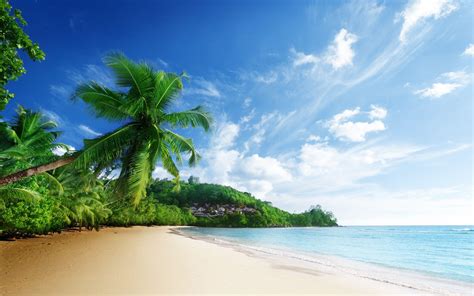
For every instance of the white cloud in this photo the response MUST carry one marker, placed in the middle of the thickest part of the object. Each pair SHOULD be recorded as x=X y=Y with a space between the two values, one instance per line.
x=267 y=168
x=268 y=78
x=221 y=157
x=161 y=173
x=163 y=63
x=318 y=173
x=268 y=124
x=469 y=50
x=203 y=87
x=225 y=136
x=340 y=53
x=247 y=102
x=99 y=74
x=60 y=151
x=53 y=116
x=247 y=118
x=60 y=91
x=448 y=82
x=258 y=187
x=438 y=90
x=418 y=11
x=343 y=129
x=377 y=112
x=88 y=131
x=313 y=138
x=301 y=58
x=331 y=167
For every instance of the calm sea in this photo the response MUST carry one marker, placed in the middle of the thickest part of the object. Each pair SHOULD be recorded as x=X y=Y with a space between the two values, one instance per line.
x=435 y=251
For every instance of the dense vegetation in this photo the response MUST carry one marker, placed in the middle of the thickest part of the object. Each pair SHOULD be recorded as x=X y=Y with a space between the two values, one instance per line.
x=265 y=214
x=53 y=207
x=43 y=190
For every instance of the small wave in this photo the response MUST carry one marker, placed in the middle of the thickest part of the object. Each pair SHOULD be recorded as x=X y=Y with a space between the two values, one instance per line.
x=462 y=229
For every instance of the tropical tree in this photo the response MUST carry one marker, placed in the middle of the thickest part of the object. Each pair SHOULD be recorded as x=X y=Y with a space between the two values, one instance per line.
x=28 y=140
x=13 y=40
x=142 y=101
x=81 y=198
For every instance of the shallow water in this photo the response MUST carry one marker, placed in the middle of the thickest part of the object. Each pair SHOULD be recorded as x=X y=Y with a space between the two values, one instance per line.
x=445 y=252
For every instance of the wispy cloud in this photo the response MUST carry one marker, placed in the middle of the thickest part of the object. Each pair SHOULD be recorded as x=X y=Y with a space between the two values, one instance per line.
x=53 y=116
x=447 y=83
x=88 y=131
x=204 y=88
x=247 y=102
x=163 y=63
x=300 y=58
x=74 y=77
x=91 y=72
x=418 y=11
x=268 y=78
x=60 y=91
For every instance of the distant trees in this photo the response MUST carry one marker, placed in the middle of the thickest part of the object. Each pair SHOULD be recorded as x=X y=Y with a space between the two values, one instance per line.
x=193 y=180
x=12 y=40
x=266 y=215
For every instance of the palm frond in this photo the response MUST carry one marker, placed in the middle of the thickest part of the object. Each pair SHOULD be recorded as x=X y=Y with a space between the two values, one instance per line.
x=167 y=88
x=18 y=193
x=106 y=148
x=54 y=183
x=180 y=144
x=138 y=77
x=102 y=101
x=196 y=117
x=140 y=174
x=167 y=160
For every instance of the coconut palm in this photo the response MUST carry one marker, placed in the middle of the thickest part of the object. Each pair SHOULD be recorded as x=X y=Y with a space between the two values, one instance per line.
x=142 y=101
x=81 y=197
x=28 y=140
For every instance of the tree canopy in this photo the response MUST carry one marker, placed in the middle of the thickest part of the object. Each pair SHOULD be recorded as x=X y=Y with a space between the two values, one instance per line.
x=13 y=40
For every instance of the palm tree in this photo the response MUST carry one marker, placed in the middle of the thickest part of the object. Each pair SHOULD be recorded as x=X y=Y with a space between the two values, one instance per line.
x=85 y=207
x=142 y=101
x=28 y=140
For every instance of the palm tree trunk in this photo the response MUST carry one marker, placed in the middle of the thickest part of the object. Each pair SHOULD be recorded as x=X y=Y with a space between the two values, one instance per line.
x=36 y=170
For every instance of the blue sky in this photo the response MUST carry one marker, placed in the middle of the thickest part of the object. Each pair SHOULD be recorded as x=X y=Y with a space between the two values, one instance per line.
x=364 y=107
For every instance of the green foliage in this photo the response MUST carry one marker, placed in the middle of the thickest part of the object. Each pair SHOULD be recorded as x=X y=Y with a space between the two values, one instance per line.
x=149 y=212
x=82 y=198
x=12 y=40
x=27 y=216
x=265 y=215
x=143 y=103
x=26 y=141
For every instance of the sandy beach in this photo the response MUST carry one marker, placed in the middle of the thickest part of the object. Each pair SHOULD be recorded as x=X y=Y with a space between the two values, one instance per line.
x=155 y=260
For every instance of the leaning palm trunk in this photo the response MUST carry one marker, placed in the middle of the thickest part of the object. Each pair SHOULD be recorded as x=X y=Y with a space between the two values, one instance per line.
x=36 y=170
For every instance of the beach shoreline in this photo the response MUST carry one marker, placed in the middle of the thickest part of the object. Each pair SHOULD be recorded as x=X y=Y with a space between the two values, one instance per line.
x=155 y=260
x=310 y=262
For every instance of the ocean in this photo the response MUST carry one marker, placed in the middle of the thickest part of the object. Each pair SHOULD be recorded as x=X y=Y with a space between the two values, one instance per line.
x=429 y=258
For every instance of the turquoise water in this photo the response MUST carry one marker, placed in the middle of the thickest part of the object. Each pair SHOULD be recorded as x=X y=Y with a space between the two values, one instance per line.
x=440 y=251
